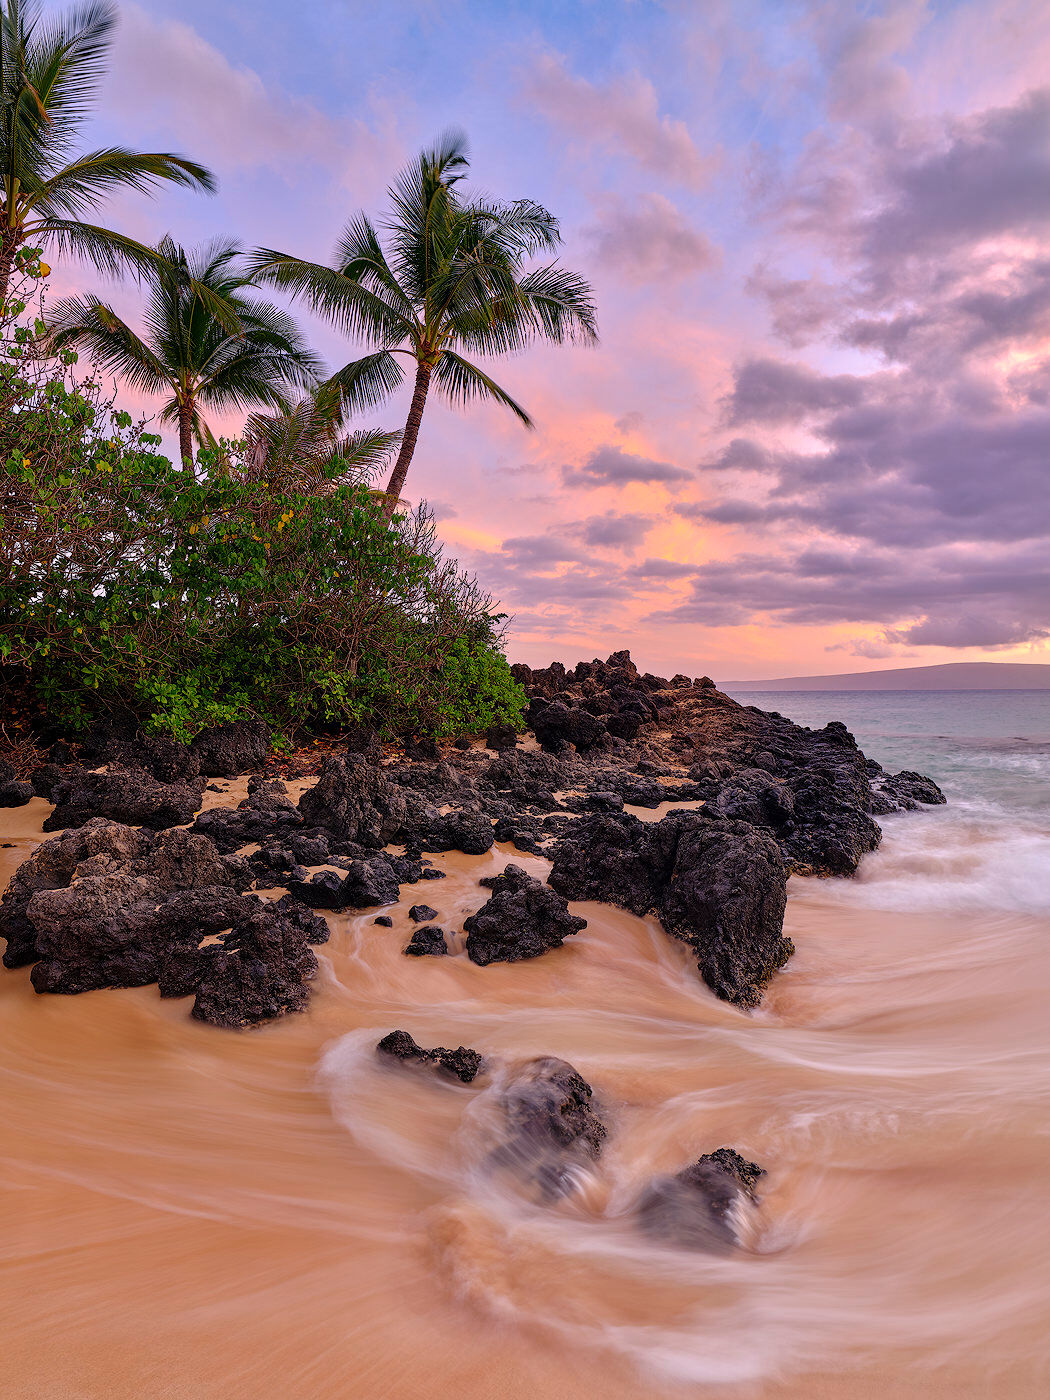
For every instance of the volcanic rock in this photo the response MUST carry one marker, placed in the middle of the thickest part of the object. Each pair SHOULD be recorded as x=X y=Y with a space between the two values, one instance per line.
x=132 y=798
x=522 y=919
x=428 y=941
x=718 y=885
x=553 y=1127
x=693 y=1208
x=463 y=1063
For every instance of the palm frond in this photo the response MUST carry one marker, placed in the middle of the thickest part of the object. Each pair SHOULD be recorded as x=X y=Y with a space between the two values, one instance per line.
x=356 y=311
x=463 y=383
x=88 y=323
x=367 y=382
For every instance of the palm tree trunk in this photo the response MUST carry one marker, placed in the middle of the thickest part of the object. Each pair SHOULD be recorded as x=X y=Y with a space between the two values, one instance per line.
x=396 y=483
x=186 y=432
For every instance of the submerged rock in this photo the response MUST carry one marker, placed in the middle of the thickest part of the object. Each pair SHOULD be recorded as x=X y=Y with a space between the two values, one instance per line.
x=693 y=1208
x=462 y=1063
x=553 y=1127
x=522 y=919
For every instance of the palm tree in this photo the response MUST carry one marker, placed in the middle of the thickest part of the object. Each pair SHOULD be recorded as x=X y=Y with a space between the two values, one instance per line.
x=307 y=445
x=48 y=76
x=249 y=356
x=452 y=278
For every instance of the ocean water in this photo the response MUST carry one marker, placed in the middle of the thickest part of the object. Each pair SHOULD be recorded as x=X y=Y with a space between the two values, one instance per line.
x=989 y=848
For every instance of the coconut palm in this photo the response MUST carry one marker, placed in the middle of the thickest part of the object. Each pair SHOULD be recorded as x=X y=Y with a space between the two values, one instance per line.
x=49 y=71
x=252 y=355
x=307 y=444
x=452 y=278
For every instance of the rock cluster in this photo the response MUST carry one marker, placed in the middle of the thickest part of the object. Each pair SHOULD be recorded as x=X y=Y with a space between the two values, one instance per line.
x=107 y=905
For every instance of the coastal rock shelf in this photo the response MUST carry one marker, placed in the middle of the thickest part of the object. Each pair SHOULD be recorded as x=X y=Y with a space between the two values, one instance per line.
x=126 y=895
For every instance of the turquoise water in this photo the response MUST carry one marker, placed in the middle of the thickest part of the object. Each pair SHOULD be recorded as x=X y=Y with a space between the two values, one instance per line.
x=990 y=752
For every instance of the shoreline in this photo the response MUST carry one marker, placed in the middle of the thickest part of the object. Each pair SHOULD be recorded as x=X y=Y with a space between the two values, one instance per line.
x=217 y=1208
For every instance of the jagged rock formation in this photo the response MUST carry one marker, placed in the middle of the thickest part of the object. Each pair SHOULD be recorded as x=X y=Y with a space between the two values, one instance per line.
x=720 y=886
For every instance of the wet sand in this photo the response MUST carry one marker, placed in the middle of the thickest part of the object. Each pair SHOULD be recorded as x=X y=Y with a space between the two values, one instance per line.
x=190 y=1212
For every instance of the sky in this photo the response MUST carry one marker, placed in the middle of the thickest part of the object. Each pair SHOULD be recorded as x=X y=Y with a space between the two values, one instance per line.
x=815 y=435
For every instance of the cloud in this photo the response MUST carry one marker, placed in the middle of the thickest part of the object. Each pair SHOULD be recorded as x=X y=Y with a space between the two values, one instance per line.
x=991 y=178
x=614 y=529
x=661 y=569
x=621 y=116
x=228 y=117
x=610 y=465
x=649 y=239
x=773 y=391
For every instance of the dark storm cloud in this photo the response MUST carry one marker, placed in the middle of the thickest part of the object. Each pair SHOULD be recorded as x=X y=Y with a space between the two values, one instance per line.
x=612 y=466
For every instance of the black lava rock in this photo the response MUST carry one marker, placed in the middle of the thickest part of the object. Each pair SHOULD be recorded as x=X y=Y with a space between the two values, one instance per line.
x=692 y=1209
x=428 y=941
x=463 y=1063
x=718 y=885
x=132 y=798
x=522 y=919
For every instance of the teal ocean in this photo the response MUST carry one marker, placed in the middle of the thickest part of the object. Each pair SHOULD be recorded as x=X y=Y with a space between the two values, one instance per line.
x=990 y=752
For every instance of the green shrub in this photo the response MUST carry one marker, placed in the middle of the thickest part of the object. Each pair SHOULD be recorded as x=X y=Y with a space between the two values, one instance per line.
x=193 y=598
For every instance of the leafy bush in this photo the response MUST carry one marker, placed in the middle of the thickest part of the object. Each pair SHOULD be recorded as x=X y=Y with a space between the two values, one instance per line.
x=194 y=598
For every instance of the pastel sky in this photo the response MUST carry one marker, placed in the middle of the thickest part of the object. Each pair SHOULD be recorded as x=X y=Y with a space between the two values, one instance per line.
x=816 y=434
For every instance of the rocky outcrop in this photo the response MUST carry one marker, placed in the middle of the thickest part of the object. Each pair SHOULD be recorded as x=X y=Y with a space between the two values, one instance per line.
x=242 y=746
x=15 y=794
x=259 y=971
x=266 y=812
x=720 y=886
x=811 y=789
x=693 y=1209
x=431 y=830
x=355 y=801
x=51 y=867
x=522 y=919
x=902 y=792
x=463 y=1063
x=131 y=798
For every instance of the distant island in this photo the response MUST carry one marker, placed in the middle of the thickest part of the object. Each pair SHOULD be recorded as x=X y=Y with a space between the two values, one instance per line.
x=953 y=675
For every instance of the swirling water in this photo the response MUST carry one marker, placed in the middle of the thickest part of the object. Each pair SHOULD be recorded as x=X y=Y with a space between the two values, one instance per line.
x=194 y=1213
